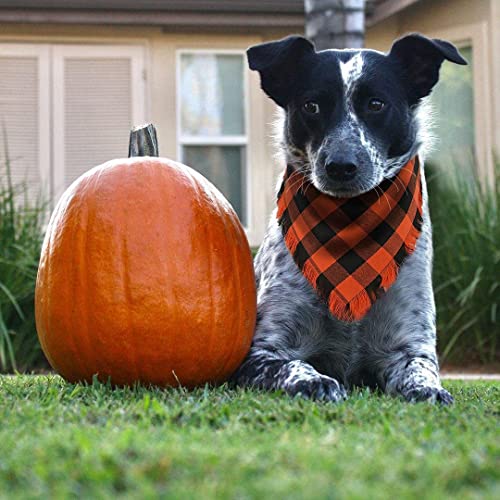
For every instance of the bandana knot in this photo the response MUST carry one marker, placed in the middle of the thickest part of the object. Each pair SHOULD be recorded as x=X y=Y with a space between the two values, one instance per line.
x=350 y=249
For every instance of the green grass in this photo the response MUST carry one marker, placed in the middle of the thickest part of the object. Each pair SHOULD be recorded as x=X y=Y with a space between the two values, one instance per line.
x=60 y=440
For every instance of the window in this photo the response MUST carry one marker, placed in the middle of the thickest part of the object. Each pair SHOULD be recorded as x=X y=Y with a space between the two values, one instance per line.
x=67 y=108
x=453 y=110
x=212 y=122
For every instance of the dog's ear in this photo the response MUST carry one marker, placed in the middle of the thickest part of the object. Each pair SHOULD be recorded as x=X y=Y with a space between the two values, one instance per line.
x=278 y=63
x=421 y=58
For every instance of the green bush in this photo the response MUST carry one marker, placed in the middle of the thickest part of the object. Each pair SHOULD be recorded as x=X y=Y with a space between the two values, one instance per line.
x=21 y=229
x=466 y=228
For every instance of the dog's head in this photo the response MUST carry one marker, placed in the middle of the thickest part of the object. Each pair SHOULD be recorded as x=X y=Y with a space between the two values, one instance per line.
x=350 y=115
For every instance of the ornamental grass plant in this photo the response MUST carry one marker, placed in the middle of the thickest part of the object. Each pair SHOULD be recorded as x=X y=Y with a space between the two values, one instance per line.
x=22 y=217
x=466 y=229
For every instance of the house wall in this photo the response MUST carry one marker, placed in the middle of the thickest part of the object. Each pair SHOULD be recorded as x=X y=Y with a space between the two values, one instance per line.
x=160 y=48
x=463 y=22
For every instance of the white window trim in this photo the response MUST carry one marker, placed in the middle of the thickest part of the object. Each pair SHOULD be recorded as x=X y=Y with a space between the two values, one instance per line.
x=42 y=54
x=227 y=140
x=138 y=105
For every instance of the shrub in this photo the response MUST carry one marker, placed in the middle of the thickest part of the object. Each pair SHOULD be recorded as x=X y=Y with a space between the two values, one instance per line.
x=21 y=229
x=466 y=228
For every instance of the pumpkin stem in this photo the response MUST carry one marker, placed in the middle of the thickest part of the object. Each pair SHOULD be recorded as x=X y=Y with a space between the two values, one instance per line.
x=143 y=141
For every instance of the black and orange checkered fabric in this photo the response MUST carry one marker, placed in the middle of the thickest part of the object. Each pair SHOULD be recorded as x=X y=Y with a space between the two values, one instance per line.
x=350 y=249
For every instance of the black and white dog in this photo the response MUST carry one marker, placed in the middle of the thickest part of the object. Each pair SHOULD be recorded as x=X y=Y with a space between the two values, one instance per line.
x=360 y=112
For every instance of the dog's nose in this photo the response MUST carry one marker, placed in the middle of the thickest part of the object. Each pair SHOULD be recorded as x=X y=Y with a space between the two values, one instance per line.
x=341 y=171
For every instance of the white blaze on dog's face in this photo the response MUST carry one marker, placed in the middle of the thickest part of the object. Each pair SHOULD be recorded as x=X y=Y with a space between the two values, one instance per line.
x=351 y=72
x=350 y=115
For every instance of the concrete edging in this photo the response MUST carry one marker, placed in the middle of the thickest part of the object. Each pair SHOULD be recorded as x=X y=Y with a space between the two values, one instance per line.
x=470 y=376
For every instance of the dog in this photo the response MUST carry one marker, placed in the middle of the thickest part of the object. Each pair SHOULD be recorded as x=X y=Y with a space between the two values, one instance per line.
x=352 y=120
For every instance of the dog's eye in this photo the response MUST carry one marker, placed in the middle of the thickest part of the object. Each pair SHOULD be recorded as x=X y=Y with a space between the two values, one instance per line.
x=375 y=105
x=311 y=108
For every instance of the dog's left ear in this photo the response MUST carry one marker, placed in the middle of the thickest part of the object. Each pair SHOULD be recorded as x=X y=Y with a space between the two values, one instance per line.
x=421 y=59
x=278 y=64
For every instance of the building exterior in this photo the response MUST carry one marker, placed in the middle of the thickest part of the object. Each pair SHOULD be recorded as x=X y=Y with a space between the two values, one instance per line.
x=76 y=75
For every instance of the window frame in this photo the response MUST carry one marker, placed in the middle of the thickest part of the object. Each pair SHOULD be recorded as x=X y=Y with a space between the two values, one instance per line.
x=475 y=36
x=228 y=140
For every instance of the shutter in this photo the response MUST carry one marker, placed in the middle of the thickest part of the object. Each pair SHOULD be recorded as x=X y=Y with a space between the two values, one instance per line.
x=97 y=113
x=23 y=107
x=94 y=107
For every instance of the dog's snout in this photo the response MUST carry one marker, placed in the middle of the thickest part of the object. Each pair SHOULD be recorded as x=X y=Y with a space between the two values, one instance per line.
x=340 y=169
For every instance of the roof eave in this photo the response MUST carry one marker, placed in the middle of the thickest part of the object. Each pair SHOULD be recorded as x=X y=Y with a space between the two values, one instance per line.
x=172 y=20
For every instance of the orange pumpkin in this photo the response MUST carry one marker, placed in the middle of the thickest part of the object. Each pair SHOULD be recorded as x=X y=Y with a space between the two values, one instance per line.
x=145 y=275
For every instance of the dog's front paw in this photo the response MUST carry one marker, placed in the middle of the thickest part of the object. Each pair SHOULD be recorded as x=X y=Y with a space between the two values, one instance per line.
x=301 y=379
x=322 y=388
x=430 y=394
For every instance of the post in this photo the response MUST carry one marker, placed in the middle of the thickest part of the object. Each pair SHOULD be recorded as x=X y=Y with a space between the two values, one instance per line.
x=335 y=24
x=143 y=141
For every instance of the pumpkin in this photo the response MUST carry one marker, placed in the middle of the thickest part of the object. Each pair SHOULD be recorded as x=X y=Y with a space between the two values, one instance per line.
x=145 y=276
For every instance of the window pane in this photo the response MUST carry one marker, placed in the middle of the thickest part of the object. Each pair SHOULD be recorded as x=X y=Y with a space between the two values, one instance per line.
x=225 y=167
x=211 y=93
x=453 y=105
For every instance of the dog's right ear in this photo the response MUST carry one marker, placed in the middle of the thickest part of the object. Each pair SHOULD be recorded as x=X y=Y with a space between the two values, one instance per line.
x=277 y=63
x=421 y=58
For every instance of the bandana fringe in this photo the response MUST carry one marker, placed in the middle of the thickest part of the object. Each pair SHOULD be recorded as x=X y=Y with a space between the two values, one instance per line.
x=389 y=275
x=310 y=273
x=279 y=212
x=291 y=242
x=339 y=308
x=358 y=306
x=308 y=270
x=411 y=242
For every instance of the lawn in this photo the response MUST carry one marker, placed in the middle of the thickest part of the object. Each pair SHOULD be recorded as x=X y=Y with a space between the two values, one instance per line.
x=62 y=440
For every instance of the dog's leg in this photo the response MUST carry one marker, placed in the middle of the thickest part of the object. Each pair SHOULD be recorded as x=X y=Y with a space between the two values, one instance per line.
x=400 y=333
x=403 y=355
x=295 y=377
x=417 y=380
x=290 y=329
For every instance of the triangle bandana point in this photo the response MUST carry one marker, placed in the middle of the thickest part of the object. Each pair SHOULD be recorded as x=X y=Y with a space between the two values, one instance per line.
x=350 y=249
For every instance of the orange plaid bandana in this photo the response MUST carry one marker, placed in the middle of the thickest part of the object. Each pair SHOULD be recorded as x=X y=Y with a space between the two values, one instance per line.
x=350 y=249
